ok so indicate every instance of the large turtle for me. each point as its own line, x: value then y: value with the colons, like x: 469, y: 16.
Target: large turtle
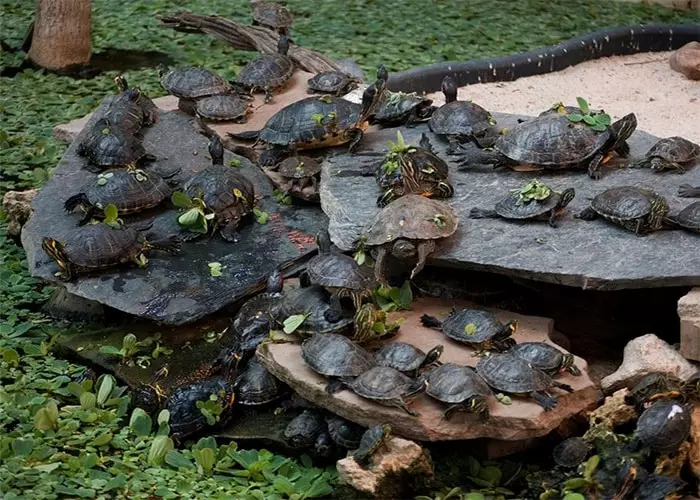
x: 131, y: 109
x: 386, y: 386
x: 399, y: 108
x: 670, y: 153
x: 546, y: 357
x: 332, y: 82
x: 407, y: 358
x: 475, y: 327
x: 461, y: 120
x: 460, y: 387
x: 106, y: 146
x: 409, y: 227
x: 256, y: 386
x: 335, y: 356
x: 344, y: 433
x: 510, y: 374
x: 636, y: 209
x: 663, y: 426
x: 268, y: 72
x: 372, y: 439
x: 191, y: 83
x: 272, y: 15
x: 687, y: 218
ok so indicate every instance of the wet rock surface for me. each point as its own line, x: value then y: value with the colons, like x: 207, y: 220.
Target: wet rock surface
x: 592, y: 255
x: 689, y: 313
x: 176, y: 289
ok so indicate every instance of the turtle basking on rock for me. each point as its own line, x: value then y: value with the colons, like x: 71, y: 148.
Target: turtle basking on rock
x: 332, y: 82
x: 131, y: 109
x: 670, y: 153
x: 407, y: 358
x: 106, y: 146
x: 654, y: 386
x: 189, y: 84
x: 223, y: 107
x: 399, y: 108
x: 546, y: 357
x: 372, y: 439
x: 571, y: 452
x: 461, y: 388
x: 300, y: 176
x: 268, y: 72
x: 386, y: 386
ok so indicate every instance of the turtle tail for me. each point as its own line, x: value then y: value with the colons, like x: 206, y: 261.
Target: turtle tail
x: 75, y: 201
x: 430, y: 321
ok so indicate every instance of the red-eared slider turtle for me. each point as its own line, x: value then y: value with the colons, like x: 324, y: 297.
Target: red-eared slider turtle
x: 223, y: 107
x: 479, y: 329
x: 409, y: 227
x: 335, y: 356
x: 688, y: 191
x: 151, y: 396
x: 653, y: 386
x: 636, y: 209
x: 365, y: 321
x: 340, y: 275
x: 303, y: 430
x: 460, y: 387
x: 256, y: 386
x: 399, y: 108
x: 331, y: 82
x: 386, y: 386
x: 301, y: 175
x: 406, y: 357
x: 268, y: 72
x: 514, y: 207
x: 510, y: 374
x: 691, y: 387
x: 664, y: 426
x: 688, y: 218
x: 413, y: 170
x: 191, y: 83
x: 312, y: 302
x: 98, y: 246
x: 670, y: 153
x: 130, y: 110
x: 344, y: 433
x: 461, y: 120
x: 106, y: 146
x: 571, y: 452
x: 272, y: 15
x: 372, y: 439
x: 128, y: 191
x: 546, y: 357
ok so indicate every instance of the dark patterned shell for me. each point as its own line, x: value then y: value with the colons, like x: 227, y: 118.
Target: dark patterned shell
x: 455, y: 384
x: 252, y: 323
x: 216, y: 185
x: 329, y: 81
x: 650, y: 385
x: 486, y: 326
x: 689, y: 217
x: 395, y: 105
x: 508, y: 373
x: 98, y: 245
x: 127, y: 193
x: 664, y: 426
x: 108, y: 146
x: 344, y: 432
x: 193, y: 82
x: 544, y: 356
x: 130, y: 110
x: 459, y: 118
x: 509, y: 208
x: 335, y: 355
x: 400, y: 356
x: 371, y: 439
x: 303, y: 429
x: 381, y: 383
x: 267, y: 70
x: 314, y: 301
x: 551, y: 140
x: 256, y: 386
x: 659, y: 486
x: 185, y: 417
x: 412, y: 217
x: 222, y: 107
x: 272, y: 14
x: 299, y: 167
x: 570, y: 452
x: 311, y: 120
x: 676, y: 149
x: 625, y: 202
x: 337, y: 270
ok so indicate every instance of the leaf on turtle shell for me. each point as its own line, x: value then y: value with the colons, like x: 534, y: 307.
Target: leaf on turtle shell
x: 215, y: 269
x: 470, y: 328
x: 181, y: 200
x: 293, y: 322
x: 575, y: 117
x: 589, y: 120
x: 583, y: 104
x: 360, y: 257
x: 603, y: 119
x: 318, y: 119
x: 437, y: 219
x: 193, y: 220
x: 235, y: 162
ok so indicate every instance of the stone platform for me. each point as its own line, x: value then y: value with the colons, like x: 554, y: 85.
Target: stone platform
x: 590, y: 255
x: 522, y: 419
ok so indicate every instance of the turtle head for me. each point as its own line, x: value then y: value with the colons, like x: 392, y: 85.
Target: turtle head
x: 121, y: 82
x: 364, y: 320
x: 275, y: 281
x: 507, y: 330
x: 382, y: 73
x: 56, y: 250
x: 566, y: 197
x: 162, y: 69
x: 370, y: 98
x: 433, y: 355
x: 386, y: 431
x: 323, y: 241
x: 480, y: 406
x: 449, y: 89
x: 404, y: 249
x: 425, y: 142
x: 283, y: 45
x: 568, y: 365
x: 226, y: 362
x: 216, y: 150
x: 623, y: 128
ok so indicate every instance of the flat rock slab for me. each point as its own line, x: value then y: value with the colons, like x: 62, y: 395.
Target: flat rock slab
x: 587, y: 254
x: 176, y: 289
x: 522, y: 419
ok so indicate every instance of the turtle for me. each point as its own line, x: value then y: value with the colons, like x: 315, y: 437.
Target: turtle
x: 106, y: 146
x: 461, y: 120
x: 461, y: 388
x: 302, y: 431
x: 663, y: 426
x: 344, y: 433
x: 406, y: 228
x: 128, y: 191
x: 191, y: 83
x: 151, y: 396
x: 228, y: 194
x: 370, y: 324
x: 636, y: 209
x: 688, y: 191
x: 256, y: 386
x: 659, y: 487
x: 546, y: 357
x: 687, y: 218
x: 324, y: 446
x: 406, y: 358
x: 332, y: 82
x: 386, y: 386
x: 98, y: 246
x: 654, y: 386
x: 268, y: 72
x: 509, y: 374
x: 335, y: 356
x: 272, y: 15
x: 670, y: 153
x: 399, y: 108
x: 300, y: 176
x: 475, y: 327
x: 311, y: 301
x: 131, y: 109
x: 571, y: 452
x: 553, y: 142
x: 223, y: 107
x: 691, y: 387
x: 511, y: 207
x: 372, y: 439
x: 339, y: 274
x: 413, y: 170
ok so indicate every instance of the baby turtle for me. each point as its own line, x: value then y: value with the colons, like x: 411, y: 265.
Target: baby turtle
x: 571, y: 452
x: 98, y: 246
x: 332, y: 82
x: 272, y: 15
x: 512, y: 207
x: 688, y: 191
x: 405, y: 357
x: 635, y: 209
x: 191, y: 83
x: 223, y: 107
x: 479, y: 329
x: 344, y: 433
x: 510, y: 374
x: 546, y: 357
x: 461, y: 388
x: 106, y: 146
x: 129, y: 191
x: 399, y: 108
x: 670, y: 153
x: 366, y: 320
x: 312, y: 302
x: 406, y: 228
x: 653, y: 386
x: 256, y: 386
x: 688, y: 218
x: 372, y: 439
x: 335, y: 356
x: 268, y: 72
x: 131, y: 109
x: 386, y: 386
x: 664, y: 426
x: 302, y: 431
x: 459, y: 121
x: 300, y: 175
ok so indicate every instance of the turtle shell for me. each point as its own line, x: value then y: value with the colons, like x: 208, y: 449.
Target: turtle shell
x: 331, y: 82
x: 510, y: 208
x: 486, y: 326
x: 624, y: 203
x: 222, y: 107
x: 508, y: 373
x: 658, y: 486
x: 344, y: 432
x: 272, y: 15
x: 299, y: 167
x: 650, y: 385
x: 541, y: 355
x: 130, y: 110
x: 256, y: 386
x: 185, y: 417
x: 108, y: 146
x: 412, y: 217
x: 452, y: 383
x: 664, y: 426
x: 193, y: 82
x: 460, y: 118
x: 314, y: 301
x: 689, y: 217
x: 267, y: 70
x: 302, y: 431
x: 675, y: 149
x: 381, y: 383
x: 252, y: 323
x: 370, y: 441
x: 336, y: 270
x: 335, y: 355
x: 570, y: 452
x: 97, y: 246
x: 217, y: 185
x: 395, y: 106
x: 400, y: 356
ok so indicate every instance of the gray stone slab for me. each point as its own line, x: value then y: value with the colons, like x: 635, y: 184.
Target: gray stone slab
x: 176, y: 289
x: 590, y: 255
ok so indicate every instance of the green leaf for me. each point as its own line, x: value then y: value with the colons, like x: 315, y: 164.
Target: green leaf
x: 293, y: 322
x: 215, y: 269
x: 10, y: 356
x: 129, y: 342
x: 140, y: 422
x: 88, y: 400
x: 262, y: 217
x: 47, y: 468
x: 603, y: 119
x: 193, y: 220
x: 180, y: 200
x: 45, y: 419
x: 473, y: 466
x: 504, y: 399
x: 491, y: 474
x: 235, y: 162
x: 470, y: 328
x: 116, y: 482
x: 163, y: 417
x: 589, y: 119
x: 111, y: 213
x: 106, y: 387
x: 574, y: 117
x: 319, y: 488
x: 360, y: 257
x: 474, y: 496
x: 205, y: 459
x: 75, y: 389
x: 576, y: 483
x: 574, y: 496
x: 110, y: 350
x: 406, y: 295
x: 22, y: 447
x: 583, y: 104
x: 598, y: 127
x: 591, y: 466
x: 160, y: 447
x: 177, y: 460
x: 102, y: 439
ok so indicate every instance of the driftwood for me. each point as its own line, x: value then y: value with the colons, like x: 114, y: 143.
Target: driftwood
x: 246, y: 37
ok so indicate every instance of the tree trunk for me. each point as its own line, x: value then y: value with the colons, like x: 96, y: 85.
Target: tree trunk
x: 62, y: 34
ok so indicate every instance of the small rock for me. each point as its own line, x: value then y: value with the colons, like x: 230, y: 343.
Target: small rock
x: 644, y: 355
x: 686, y: 60
x: 613, y: 412
x: 689, y: 313
x: 396, y: 470
x: 18, y: 207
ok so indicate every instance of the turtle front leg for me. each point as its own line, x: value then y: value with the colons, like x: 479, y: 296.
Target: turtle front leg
x: 562, y: 386
x: 400, y: 403
x: 544, y: 400
x: 229, y: 232
x: 483, y: 213
x: 412, y: 118
x: 623, y: 149
x: 453, y: 145
x: 380, y: 266
x: 355, y: 135
x: 335, y: 311
x: 268, y: 95
x: 425, y: 248
x: 587, y: 214
x: 594, y: 167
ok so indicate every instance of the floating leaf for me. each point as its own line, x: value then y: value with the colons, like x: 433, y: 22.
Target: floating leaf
x: 88, y: 400
x: 574, y: 496
x: 177, y: 460
x: 160, y: 447
x: 106, y: 387
x: 293, y: 322
x: 181, y: 200
x: 215, y: 269
x: 140, y: 422
x: 262, y: 217
x: 405, y: 295
x: 22, y: 447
